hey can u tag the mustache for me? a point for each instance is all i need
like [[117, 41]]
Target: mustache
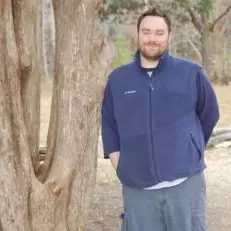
[[152, 43]]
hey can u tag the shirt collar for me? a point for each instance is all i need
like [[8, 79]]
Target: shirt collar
[[162, 59]]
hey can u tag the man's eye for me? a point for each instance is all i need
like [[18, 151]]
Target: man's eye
[[146, 32], [160, 33]]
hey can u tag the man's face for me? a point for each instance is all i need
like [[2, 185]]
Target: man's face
[[153, 37]]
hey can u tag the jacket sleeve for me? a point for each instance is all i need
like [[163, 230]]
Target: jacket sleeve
[[207, 105], [109, 130]]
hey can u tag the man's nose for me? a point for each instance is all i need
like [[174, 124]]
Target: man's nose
[[152, 37]]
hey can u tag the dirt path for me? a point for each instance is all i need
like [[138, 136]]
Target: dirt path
[[107, 203], [218, 176]]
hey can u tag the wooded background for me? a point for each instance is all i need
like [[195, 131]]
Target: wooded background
[[201, 30]]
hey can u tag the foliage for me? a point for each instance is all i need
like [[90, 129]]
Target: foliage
[[124, 54], [205, 6], [118, 7]]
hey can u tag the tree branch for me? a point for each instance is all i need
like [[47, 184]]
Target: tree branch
[[194, 20], [224, 26], [185, 4], [194, 48], [220, 17]]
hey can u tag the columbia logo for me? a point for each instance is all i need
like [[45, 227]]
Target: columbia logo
[[129, 92]]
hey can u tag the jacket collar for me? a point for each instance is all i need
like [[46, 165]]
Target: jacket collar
[[163, 59]]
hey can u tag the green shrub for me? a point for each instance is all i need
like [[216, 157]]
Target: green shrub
[[124, 54]]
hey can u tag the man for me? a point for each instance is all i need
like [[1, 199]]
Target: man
[[158, 114]]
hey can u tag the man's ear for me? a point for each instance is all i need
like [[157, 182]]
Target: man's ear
[[170, 41], [137, 38], [170, 37]]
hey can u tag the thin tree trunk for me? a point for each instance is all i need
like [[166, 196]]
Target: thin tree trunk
[[27, 27], [15, 171], [74, 114], [206, 48], [206, 53]]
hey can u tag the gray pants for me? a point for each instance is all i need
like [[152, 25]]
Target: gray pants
[[178, 208]]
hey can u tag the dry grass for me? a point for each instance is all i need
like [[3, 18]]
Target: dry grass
[[224, 100]]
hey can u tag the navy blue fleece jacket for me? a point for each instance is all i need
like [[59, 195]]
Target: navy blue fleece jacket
[[159, 124]]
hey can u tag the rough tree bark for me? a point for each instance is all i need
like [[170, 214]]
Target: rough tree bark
[[57, 199], [15, 161], [27, 21]]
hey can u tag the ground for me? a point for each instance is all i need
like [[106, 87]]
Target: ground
[[107, 203]]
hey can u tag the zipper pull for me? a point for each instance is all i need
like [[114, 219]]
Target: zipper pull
[[151, 86]]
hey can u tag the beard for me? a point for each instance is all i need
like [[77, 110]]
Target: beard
[[152, 52]]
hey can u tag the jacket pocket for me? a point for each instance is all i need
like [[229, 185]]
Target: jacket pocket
[[182, 150], [195, 143], [134, 166]]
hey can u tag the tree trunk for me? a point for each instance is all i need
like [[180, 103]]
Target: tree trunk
[[60, 201], [207, 55], [27, 27], [15, 160], [206, 48]]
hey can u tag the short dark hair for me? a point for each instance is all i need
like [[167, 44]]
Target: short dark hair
[[155, 12]]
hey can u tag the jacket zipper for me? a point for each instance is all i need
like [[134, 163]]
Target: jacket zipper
[[153, 160]]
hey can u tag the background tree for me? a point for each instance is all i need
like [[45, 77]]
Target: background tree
[[201, 15], [56, 195], [198, 27]]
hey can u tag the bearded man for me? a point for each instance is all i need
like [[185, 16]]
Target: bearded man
[[158, 113]]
